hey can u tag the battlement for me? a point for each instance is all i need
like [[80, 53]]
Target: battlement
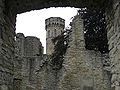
[[55, 22]]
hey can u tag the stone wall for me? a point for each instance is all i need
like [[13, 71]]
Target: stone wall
[[7, 34], [21, 6], [36, 73], [33, 46], [27, 62], [27, 46], [82, 69], [31, 69], [31, 76], [30, 73], [19, 45], [113, 27], [8, 11]]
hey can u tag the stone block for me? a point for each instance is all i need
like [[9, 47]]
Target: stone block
[[111, 45], [117, 57], [117, 87], [29, 88], [110, 33], [3, 87], [5, 37]]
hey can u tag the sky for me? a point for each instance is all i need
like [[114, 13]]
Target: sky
[[33, 23]]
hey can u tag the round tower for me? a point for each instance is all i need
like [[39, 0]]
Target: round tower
[[54, 26]]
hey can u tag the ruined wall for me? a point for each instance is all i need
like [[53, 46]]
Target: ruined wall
[[82, 69], [36, 73], [19, 45], [32, 69], [29, 64], [7, 33], [33, 46], [21, 6], [27, 46], [31, 73], [32, 77], [113, 29], [8, 11]]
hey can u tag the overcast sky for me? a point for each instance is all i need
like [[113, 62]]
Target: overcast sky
[[33, 23]]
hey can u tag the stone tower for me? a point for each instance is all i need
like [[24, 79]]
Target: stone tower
[[54, 27]]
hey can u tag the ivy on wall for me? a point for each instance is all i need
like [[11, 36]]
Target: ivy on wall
[[61, 45]]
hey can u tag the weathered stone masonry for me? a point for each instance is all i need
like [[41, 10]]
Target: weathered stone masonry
[[27, 46], [7, 34], [28, 65], [8, 11], [83, 69], [113, 29]]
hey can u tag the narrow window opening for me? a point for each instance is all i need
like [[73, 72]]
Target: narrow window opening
[[55, 33], [48, 33]]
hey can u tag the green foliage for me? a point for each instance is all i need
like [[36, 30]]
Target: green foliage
[[61, 43], [95, 30]]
